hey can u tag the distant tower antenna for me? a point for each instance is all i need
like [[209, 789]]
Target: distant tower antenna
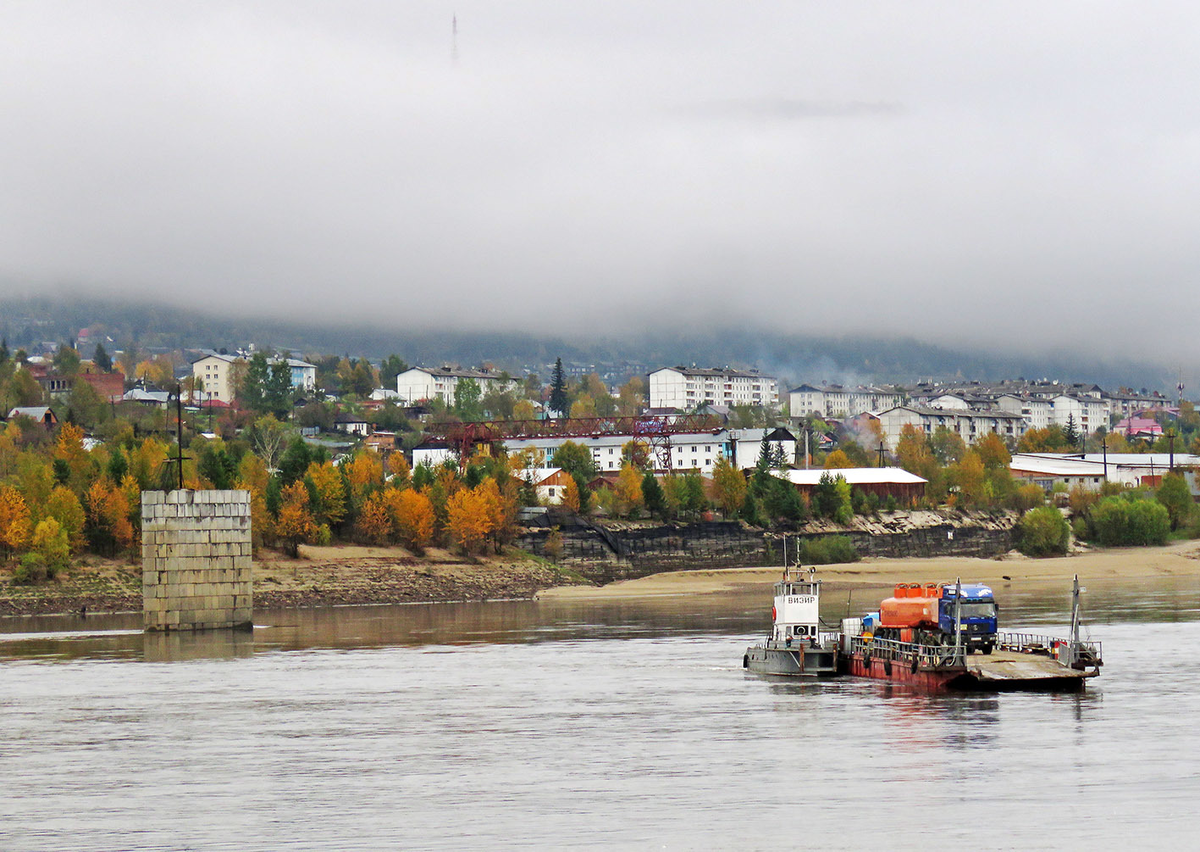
[[454, 39]]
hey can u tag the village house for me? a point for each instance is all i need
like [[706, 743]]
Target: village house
[[37, 413]]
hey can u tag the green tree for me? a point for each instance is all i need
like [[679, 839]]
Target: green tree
[[559, 400], [575, 459], [947, 445], [467, 400], [1043, 532], [252, 393], [389, 368], [1175, 496], [1071, 431], [101, 359], [652, 494]]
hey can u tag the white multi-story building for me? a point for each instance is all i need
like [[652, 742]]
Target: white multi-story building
[[970, 425], [1088, 412], [837, 403], [427, 383], [686, 388]]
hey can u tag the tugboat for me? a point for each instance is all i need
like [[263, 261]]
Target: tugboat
[[795, 646]]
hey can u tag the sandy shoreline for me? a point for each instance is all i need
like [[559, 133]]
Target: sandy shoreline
[[1180, 559]]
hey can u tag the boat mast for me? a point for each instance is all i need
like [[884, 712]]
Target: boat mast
[[959, 656], [1073, 648]]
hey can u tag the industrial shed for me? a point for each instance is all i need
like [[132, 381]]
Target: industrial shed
[[882, 481]]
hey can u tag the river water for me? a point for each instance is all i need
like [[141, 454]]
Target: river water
[[572, 724]]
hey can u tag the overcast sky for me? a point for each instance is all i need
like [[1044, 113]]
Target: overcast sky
[[1006, 173]]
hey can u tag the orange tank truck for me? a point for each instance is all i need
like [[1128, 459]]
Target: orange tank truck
[[912, 606]]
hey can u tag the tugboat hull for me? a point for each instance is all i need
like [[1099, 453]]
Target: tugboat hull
[[795, 662]]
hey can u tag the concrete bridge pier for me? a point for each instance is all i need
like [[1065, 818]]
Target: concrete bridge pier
[[196, 560]]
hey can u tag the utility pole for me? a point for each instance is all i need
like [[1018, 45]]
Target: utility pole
[[881, 453], [179, 433], [1171, 448], [1104, 449]]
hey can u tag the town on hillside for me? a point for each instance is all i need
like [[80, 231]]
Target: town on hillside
[[339, 448]]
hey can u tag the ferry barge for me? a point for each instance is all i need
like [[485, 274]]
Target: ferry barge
[[934, 662], [944, 662]]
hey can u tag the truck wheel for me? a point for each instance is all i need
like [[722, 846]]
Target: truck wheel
[[987, 649]]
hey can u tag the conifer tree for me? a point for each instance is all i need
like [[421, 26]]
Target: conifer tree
[[559, 401]]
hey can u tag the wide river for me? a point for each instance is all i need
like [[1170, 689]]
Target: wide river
[[568, 724]]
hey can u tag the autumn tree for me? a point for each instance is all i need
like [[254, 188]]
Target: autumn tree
[[628, 490], [106, 509], [65, 508], [14, 520], [631, 398], [1050, 439], [728, 487], [50, 542], [993, 452], [412, 518], [328, 493], [838, 460], [523, 410], [968, 475], [471, 518], [374, 523], [570, 496], [295, 525]]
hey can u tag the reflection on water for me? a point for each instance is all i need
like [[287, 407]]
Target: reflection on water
[[576, 724], [1038, 608]]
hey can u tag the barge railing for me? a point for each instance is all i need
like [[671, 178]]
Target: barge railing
[[928, 656], [1035, 643]]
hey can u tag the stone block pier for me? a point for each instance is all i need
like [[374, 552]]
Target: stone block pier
[[196, 560]]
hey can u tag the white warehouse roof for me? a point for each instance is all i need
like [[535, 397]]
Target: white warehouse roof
[[857, 476]]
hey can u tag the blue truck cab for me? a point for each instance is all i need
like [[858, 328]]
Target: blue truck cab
[[977, 614]]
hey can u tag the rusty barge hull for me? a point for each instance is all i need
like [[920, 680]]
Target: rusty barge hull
[[1002, 671]]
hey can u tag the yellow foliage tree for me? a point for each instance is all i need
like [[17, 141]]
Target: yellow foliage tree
[[993, 452], [628, 490], [412, 518], [107, 512], [374, 523], [14, 520], [364, 474], [295, 524], [400, 470], [330, 497], [570, 495], [50, 542], [471, 518], [728, 487], [838, 460], [65, 508]]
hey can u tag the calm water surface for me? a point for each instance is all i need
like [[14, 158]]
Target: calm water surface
[[567, 725]]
